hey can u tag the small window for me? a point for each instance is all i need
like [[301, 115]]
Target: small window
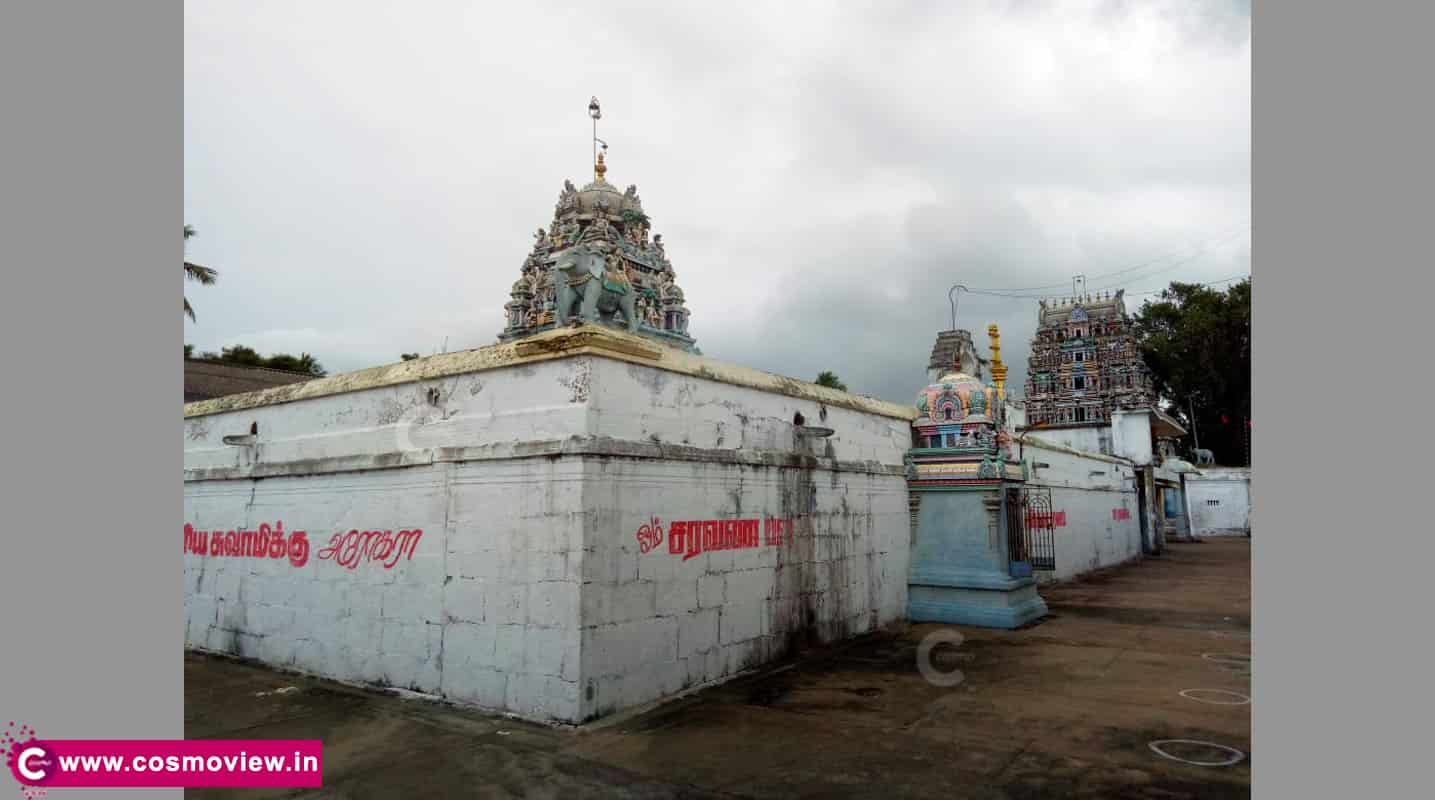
[[1080, 415], [1078, 382], [1213, 502]]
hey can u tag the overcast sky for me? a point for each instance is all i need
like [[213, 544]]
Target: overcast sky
[[366, 177]]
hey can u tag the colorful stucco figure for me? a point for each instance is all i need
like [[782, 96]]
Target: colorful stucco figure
[[604, 232]]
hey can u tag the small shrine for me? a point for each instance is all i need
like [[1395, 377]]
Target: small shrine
[[596, 262], [973, 552]]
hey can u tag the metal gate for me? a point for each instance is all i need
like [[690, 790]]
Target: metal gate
[[914, 507], [1031, 530]]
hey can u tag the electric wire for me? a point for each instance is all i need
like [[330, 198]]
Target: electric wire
[[1203, 248]]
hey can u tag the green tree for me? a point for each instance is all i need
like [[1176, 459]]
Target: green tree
[[1196, 341], [249, 357], [194, 272], [830, 379], [246, 356], [304, 363]]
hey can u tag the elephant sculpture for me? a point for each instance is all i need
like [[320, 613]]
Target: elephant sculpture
[[583, 279], [1204, 457]]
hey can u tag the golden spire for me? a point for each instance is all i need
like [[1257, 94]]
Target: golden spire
[[998, 368], [599, 168]]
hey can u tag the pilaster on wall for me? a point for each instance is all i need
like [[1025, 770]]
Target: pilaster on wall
[[993, 506]]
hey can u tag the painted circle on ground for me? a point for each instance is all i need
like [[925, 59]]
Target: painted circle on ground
[[1233, 756], [1195, 694], [1231, 634]]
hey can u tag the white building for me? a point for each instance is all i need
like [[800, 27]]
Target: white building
[[1219, 499]]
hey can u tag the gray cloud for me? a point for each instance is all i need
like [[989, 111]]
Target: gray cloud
[[367, 177]]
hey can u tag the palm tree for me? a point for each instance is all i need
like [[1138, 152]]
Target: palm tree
[[195, 272]]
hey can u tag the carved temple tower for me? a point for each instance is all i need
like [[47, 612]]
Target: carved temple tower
[[608, 228], [1085, 363]]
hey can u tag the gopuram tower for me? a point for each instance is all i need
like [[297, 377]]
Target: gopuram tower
[[595, 262], [1085, 364]]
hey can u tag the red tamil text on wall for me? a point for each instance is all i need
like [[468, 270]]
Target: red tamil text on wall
[[266, 542], [355, 547], [691, 538], [347, 549]]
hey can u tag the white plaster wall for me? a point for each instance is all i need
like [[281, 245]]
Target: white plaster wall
[[390, 425], [655, 623], [1094, 439], [645, 404], [1230, 513], [1092, 538], [1131, 436], [484, 611], [529, 483]]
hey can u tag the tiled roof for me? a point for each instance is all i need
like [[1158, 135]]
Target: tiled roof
[[206, 379]]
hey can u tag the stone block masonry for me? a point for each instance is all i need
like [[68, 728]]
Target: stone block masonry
[[559, 528]]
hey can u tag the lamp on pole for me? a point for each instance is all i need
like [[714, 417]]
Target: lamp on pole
[[596, 112]]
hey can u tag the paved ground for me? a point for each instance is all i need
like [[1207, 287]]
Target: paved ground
[[1066, 707]]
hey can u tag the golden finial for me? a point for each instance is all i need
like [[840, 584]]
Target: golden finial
[[998, 368], [599, 168]]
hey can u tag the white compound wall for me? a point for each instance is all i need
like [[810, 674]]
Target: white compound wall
[[492, 535], [1094, 501], [1219, 500]]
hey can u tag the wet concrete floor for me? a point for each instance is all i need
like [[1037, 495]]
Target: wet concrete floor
[[1065, 707]]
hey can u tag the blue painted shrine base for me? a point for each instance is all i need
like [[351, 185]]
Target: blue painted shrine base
[[983, 608], [961, 573]]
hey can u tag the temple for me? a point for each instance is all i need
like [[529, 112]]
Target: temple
[[595, 263], [1088, 389], [1084, 364], [955, 347], [973, 552]]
